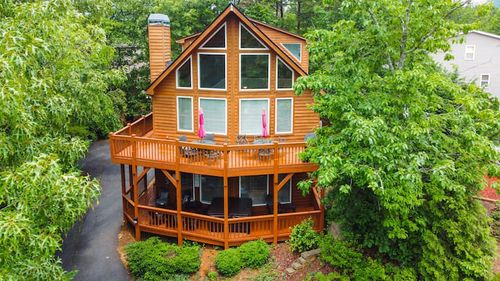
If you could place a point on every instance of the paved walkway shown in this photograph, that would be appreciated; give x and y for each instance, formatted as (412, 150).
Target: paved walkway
(90, 246)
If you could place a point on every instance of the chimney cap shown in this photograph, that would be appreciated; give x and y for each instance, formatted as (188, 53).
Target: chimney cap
(159, 19)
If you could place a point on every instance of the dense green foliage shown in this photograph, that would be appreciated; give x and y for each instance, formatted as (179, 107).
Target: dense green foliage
(495, 222)
(228, 262)
(303, 237)
(484, 17)
(156, 260)
(407, 147)
(254, 254)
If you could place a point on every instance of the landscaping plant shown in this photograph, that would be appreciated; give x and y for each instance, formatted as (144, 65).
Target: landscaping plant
(408, 145)
(254, 254)
(228, 262)
(303, 237)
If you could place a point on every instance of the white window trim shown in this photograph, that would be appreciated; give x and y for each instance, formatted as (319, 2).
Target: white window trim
(251, 33)
(201, 189)
(190, 59)
(473, 52)
(268, 71)
(290, 191)
(202, 47)
(225, 114)
(267, 112)
(192, 188)
(267, 192)
(481, 79)
(276, 117)
(293, 75)
(178, 112)
(225, 71)
(293, 43)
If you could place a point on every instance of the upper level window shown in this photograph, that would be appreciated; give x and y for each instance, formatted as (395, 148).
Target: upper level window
(254, 71)
(249, 41)
(215, 114)
(295, 49)
(485, 80)
(251, 115)
(470, 52)
(185, 114)
(284, 79)
(183, 75)
(255, 188)
(217, 40)
(285, 193)
(284, 115)
(212, 71)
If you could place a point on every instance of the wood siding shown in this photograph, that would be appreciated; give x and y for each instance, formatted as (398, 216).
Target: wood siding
(164, 99)
(159, 49)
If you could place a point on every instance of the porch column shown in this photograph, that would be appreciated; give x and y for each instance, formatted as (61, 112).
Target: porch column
(275, 194)
(124, 189)
(135, 182)
(226, 200)
(178, 189)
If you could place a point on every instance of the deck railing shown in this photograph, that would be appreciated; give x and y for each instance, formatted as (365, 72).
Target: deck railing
(131, 145)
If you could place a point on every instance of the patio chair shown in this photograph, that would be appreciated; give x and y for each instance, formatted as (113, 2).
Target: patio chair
(241, 139)
(162, 200)
(209, 137)
(282, 208)
(187, 151)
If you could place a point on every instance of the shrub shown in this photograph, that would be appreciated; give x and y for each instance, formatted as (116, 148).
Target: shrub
(495, 223)
(303, 237)
(339, 255)
(254, 254)
(212, 276)
(156, 260)
(228, 262)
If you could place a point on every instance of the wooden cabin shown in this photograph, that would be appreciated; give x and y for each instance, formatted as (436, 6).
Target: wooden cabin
(234, 184)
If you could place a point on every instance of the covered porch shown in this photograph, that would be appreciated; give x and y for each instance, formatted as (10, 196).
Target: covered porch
(222, 211)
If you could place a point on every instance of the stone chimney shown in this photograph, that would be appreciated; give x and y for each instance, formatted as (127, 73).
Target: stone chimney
(160, 53)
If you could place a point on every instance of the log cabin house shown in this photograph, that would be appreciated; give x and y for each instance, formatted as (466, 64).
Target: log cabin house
(233, 185)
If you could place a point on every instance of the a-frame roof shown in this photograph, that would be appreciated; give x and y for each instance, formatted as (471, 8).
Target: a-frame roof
(230, 9)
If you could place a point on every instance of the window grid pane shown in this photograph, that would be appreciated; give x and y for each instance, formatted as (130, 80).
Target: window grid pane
(251, 116)
(284, 115)
(184, 75)
(218, 40)
(285, 76)
(294, 49)
(254, 71)
(248, 41)
(254, 187)
(212, 71)
(185, 114)
(211, 187)
(284, 195)
(214, 112)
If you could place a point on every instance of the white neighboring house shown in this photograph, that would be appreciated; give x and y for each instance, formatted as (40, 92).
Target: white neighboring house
(477, 59)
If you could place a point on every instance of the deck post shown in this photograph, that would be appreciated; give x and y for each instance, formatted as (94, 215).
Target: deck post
(322, 208)
(178, 188)
(129, 127)
(135, 183)
(226, 200)
(275, 194)
(124, 189)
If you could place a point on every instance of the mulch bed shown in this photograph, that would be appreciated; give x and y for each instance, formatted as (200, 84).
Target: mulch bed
(488, 192)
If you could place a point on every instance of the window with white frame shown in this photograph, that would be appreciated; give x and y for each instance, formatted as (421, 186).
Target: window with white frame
(185, 114)
(485, 80)
(470, 52)
(217, 40)
(248, 41)
(284, 115)
(251, 115)
(254, 71)
(285, 193)
(210, 188)
(255, 188)
(295, 49)
(215, 114)
(212, 71)
(184, 76)
(284, 76)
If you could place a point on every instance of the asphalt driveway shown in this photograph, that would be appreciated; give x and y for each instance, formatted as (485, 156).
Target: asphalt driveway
(90, 246)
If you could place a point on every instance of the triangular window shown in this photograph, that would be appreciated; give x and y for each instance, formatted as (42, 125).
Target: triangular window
(217, 40)
(249, 41)
(294, 49)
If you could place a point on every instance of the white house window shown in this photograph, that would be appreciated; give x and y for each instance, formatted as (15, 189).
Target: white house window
(210, 188)
(255, 188)
(217, 40)
(215, 114)
(285, 193)
(212, 71)
(485, 80)
(284, 115)
(183, 75)
(248, 41)
(284, 79)
(470, 52)
(295, 49)
(185, 114)
(251, 115)
(254, 71)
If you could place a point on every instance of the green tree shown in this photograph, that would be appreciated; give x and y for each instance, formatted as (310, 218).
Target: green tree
(406, 147)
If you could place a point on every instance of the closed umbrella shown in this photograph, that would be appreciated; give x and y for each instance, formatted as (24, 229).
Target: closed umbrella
(265, 133)
(201, 119)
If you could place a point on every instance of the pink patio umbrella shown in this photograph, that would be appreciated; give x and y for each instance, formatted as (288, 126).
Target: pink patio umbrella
(265, 133)
(201, 118)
